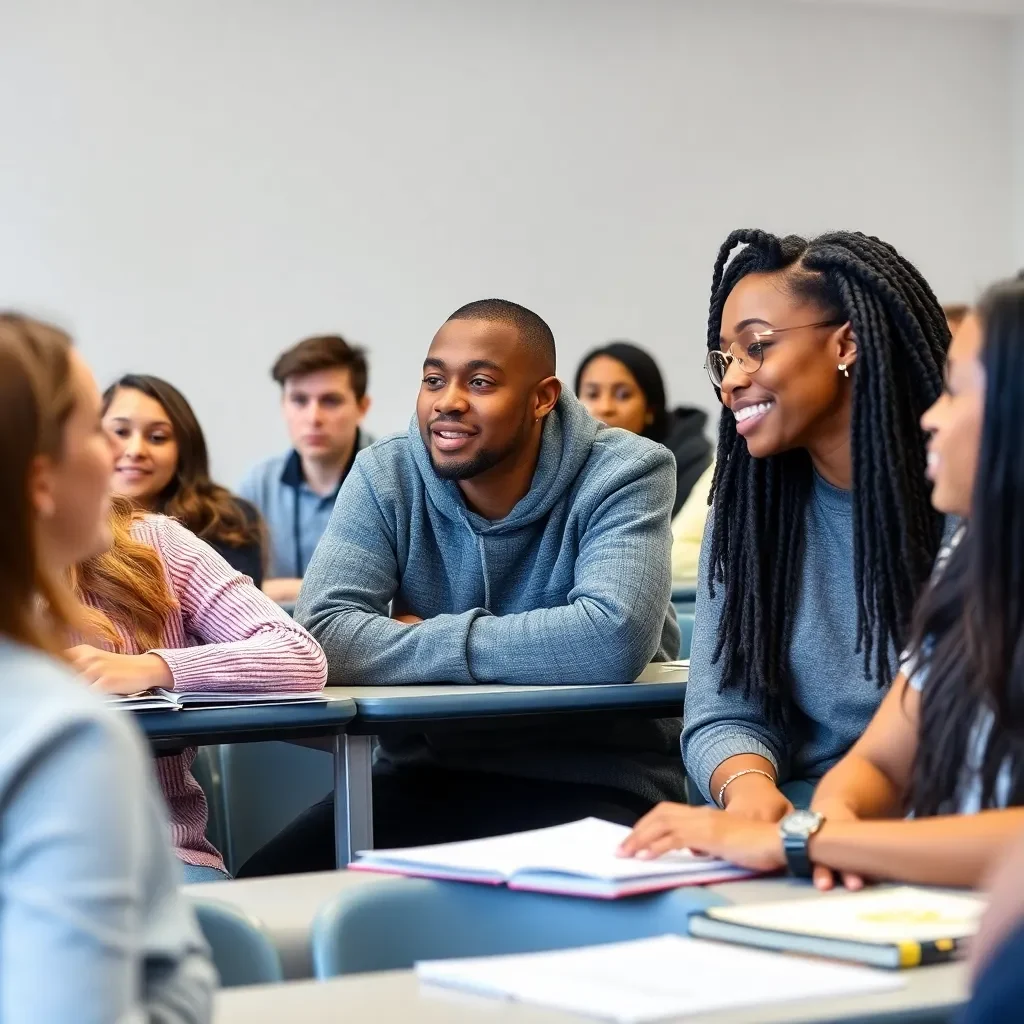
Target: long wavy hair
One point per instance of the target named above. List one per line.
(124, 590)
(36, 399)
(971, 622)
(205, 508)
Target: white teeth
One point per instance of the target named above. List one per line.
(933, 459)
(452, 435)
(749, 411)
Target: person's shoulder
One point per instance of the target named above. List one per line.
(614, 446)
(386, 460)
(265, 473)
(167, 536)
(45, 705)
(248, 509)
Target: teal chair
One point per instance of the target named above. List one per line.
(242, 953)
(397, 922)
(264, 787)
(685, 620)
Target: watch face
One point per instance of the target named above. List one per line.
(800, 823)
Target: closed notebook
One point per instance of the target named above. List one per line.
(578, 859)
(664, 978)
(897, 927)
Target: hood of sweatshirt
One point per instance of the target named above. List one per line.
(566, 444)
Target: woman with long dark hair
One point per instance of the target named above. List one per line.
(161, 463)
(825, 353)
(947, 743)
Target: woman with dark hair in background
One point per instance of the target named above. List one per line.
(161, 463)
(621, 385)
(947, 742)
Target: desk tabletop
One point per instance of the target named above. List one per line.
(931, 993)
(397, 997)
(659, 687)
(199, 726)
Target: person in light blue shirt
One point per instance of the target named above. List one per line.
(323, 396)
(93, 928)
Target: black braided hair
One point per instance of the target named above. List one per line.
(756, 538)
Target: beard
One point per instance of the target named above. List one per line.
(466, 469)
(482, 461)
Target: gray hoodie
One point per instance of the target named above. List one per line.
(573, 586)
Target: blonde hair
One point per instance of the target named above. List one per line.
(124, 589)
(36, 399)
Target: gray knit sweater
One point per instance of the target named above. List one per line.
(572, 586)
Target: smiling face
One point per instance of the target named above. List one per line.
(145, 448)
(478, 404)
(955, 423)
(612, 395)
(798, 396)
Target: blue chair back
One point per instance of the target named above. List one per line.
(397, 922)
(265, 787)
(685, 620)
(242, 953)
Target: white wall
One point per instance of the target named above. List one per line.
(193, 186)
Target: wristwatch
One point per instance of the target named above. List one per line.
(796, 830)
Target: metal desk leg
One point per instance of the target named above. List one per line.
(353, 796)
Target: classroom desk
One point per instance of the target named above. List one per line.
(657, 693)
(319, 724)
(931, 994)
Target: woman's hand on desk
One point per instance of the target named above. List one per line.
(751, 844)
(825, 878)
(757, 798)
(120, 673)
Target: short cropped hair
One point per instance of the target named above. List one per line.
(532, 330)
(323, 352)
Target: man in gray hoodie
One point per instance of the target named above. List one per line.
(507, 537)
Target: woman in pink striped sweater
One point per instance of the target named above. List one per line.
(167, 611)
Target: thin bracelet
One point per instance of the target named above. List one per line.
(736, 775)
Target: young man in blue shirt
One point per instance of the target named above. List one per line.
(323, 397)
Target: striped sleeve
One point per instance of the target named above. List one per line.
(245, 641)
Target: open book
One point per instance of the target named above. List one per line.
(654, 979)
(901, 927)
(171, 700)
(578, 859)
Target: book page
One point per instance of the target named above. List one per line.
(654, 979)
(884, 916)
(585, 848)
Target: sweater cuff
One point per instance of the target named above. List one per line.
(700, 767)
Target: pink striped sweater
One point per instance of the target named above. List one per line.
(225, 635)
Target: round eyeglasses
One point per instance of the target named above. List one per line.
(748, 350)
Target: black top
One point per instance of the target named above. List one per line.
(685, 439)
(247, 559)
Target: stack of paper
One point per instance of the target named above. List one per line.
(170, 700)
(654, 979)
(578, 859)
